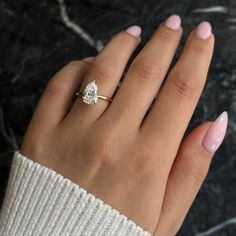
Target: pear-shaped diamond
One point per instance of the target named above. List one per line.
(90, 93)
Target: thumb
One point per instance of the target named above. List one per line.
(188, 173)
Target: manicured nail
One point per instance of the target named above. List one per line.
(134, 31)
(173, 22)
(203, 30)
(88, 59)
(216, 133)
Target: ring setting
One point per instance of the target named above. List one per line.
(90, 94)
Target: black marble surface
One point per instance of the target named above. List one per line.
(36, 40)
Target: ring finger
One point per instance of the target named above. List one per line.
(107, 69)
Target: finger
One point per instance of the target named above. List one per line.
(173, 109)
(146, 74)
(106, 70)
(188, 173)
(54, 103)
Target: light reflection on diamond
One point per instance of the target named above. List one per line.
(90, 93)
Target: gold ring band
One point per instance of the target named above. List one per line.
(99, 96)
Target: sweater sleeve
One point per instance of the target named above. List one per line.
(39, 201)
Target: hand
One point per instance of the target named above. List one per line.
(141, 167)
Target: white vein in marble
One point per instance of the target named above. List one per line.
(212, 9)
(218, 227)
(97, 44)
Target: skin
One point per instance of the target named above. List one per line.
(136, 162)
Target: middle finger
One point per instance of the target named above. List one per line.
(145, 75)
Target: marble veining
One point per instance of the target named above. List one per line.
(38, 38)
(218, 227)
(212, 9)
(77, 29)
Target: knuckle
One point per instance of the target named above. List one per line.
(75, 63)
(144, 167)
(103, 71)
(146, 161)
(69, 68)
(102, 150)
(55, 86)
(146, 68)
(166, 35)
(197, 169)
(184, 87)
(198, 47)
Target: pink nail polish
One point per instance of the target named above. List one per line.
(203, 30)
(88, 59)
(173, 22)
(134, 31)
(216, 133)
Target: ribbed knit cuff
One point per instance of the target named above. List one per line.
(39, 201)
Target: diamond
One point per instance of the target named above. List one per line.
(90, 93)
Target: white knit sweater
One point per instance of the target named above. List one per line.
(39, 201)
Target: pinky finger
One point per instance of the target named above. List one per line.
(54, 103)
(188, 173)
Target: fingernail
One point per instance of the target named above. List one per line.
(203, 30)
(216, 133)
(88, 59)
(134, 31)
(173, 22)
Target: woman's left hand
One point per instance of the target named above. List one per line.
(134, 161)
